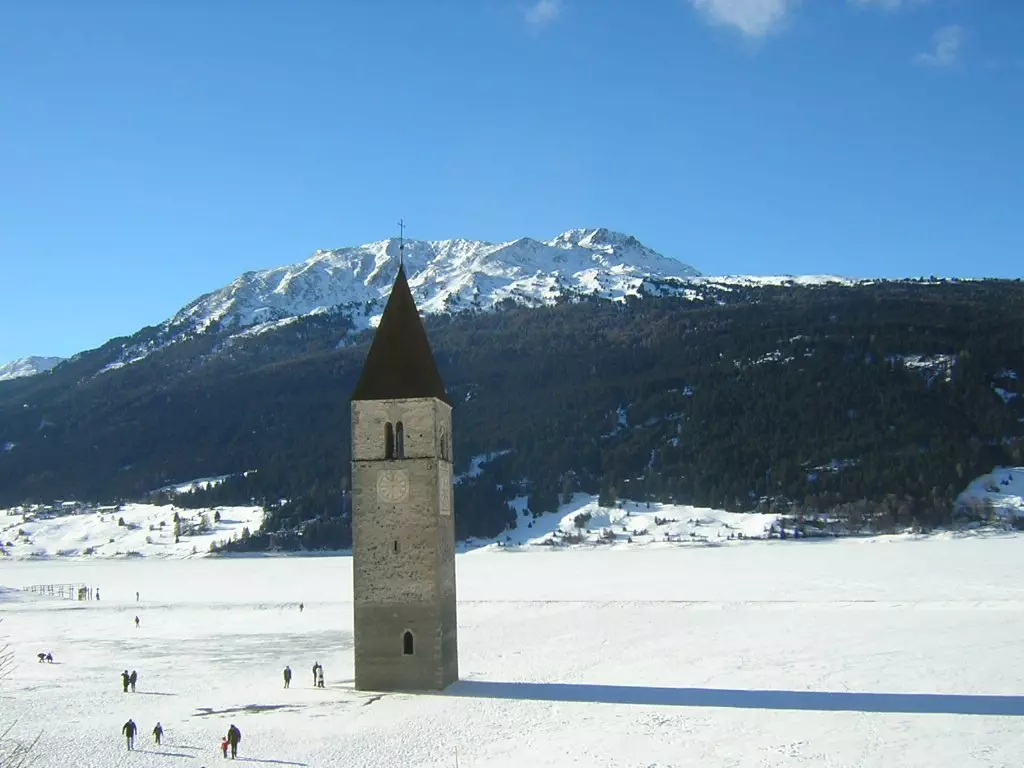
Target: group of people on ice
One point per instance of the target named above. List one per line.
(318, 676)
(230, 741)
(127, 680)
(129, 730)
(234, 735)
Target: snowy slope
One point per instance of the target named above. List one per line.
(148, 531)
(1002, 490)
(444, 275)
(27, 366)
(582, 523)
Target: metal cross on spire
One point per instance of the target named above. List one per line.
(401, 242)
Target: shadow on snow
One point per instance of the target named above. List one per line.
(163, 753)
(820, 701)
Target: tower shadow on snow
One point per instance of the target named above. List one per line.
(811, 701)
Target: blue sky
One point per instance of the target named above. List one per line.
(153, 151)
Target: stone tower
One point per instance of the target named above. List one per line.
(403, 535)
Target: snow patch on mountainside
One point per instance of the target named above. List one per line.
(582, 522)
(148, 530)
(27, 366)
(1001, 491)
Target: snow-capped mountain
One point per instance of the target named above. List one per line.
(445, 275)
(27, 366)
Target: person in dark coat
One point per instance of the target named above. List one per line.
(49, 658)
(133, 679)
(136, 622)
(316, 666)
(129, 730)
(320, 677)
(234, 736)
(287, 676)
(158, 733)
(125, 680)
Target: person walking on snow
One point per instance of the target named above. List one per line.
(133, 679)
(125, 680)
(234, 736)
(316, 666)
(320, 677)
(224, 747)
(129, 730)
(287, 676)
(136, 622)
(158, 733)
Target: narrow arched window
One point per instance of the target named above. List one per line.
(396, 546)
(389, 441)
(399, 441)
(407, 643)
(444, 443)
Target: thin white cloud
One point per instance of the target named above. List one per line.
(889, 5)
(543, 12)
(945, 52)
(754, 18)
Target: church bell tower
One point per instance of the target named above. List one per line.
(403, 534)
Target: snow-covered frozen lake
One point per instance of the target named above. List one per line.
(873, 652)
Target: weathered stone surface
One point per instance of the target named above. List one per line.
(403, 547)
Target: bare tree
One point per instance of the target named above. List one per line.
(14, 752)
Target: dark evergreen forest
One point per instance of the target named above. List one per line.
(874, 400)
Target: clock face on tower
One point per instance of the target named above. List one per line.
(392, 485)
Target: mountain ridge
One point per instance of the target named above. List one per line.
(27, 366)
(445, 276)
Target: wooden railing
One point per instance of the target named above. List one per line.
(62, 591)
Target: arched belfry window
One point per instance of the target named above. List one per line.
(389, 441)
(444, 444)
(407, 647)
(399, 441)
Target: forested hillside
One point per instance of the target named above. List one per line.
(876, 400)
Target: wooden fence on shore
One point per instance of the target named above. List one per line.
(62, 591)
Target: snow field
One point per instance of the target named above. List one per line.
(861, 653)
(148, 531)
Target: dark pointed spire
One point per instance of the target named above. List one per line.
(400, 364)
